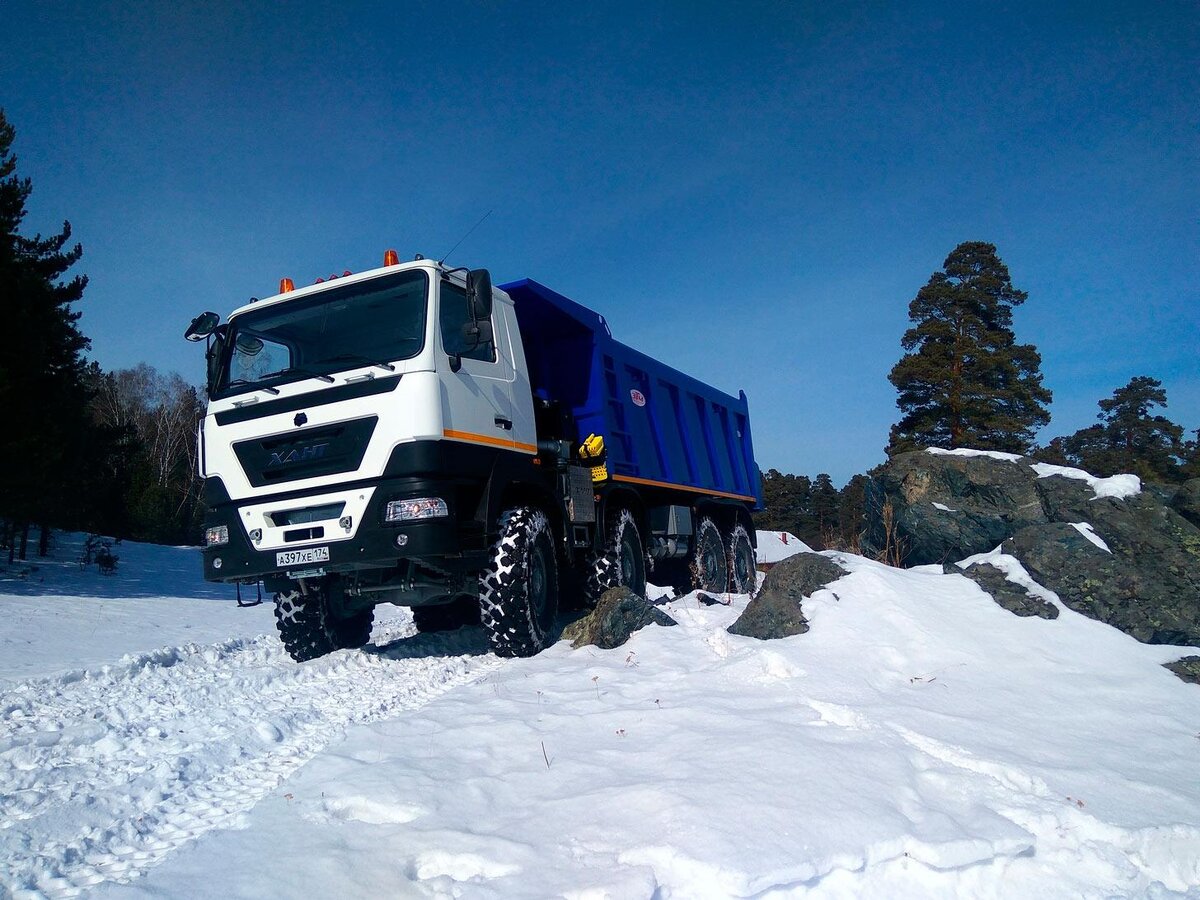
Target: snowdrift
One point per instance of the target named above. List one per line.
(919, 741)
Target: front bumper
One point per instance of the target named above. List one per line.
(374, 544)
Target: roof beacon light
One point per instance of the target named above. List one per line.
(286, 286)
(391, 258)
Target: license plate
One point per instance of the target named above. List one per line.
(302, 557)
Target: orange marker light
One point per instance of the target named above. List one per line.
(391, 258)
(286, 285)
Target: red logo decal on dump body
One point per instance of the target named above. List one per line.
(638, 398)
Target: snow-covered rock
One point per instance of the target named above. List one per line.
(617, 616)
(776, 610)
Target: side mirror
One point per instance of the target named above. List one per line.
(479, 293)
(202, 326)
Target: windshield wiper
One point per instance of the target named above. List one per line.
(295, 370)
(354, 357)
(265, 387)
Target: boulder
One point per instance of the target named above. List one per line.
(945, 508)
(1147, 583)
(616, 617)
(1008, 594)
(775, 611)
(1187, 668)
(1186, 501)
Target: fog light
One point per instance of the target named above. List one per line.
(347, 523)
(216, 536)
(401, 540)
(417, 508)
(256, 535)
(217, 563)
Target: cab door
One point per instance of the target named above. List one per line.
(477, 399)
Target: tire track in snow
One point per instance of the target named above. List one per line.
(104, 772)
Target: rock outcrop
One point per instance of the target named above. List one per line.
(616, 617)
(1147, 583)
(1128, 559)
(1186, 501)
(1187, 668)
(775, 611)
(945, 508)
(1008, 594)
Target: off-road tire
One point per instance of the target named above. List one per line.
(309, 629)
(743, 572)
(707, 563)
(623, 561)
(518, 592)
(446, 616)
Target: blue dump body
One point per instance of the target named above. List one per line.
(660, 427)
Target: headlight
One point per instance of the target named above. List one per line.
(216, 536)
(418, 508)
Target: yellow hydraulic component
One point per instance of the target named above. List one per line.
(592, 449)
(592, 446)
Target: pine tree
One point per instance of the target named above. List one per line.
(1129, 438)
(1148, 444)
(1191, 457)
(852, 511)
(786, 503)
(963, 380)
(825, 508)
(42, 394)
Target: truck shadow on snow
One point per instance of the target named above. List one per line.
(470, 640)
(466, 641)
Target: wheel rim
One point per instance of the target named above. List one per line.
(743, 564)
(629, 575)
(711, 569)
(712, 562)
(539, 586)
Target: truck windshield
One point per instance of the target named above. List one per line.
(374, 322)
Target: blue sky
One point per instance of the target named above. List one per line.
(752, 192)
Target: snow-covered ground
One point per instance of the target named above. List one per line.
(776, 546)
(919, 741)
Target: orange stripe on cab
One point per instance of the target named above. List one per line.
(471, 438)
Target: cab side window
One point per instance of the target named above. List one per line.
(454, 316)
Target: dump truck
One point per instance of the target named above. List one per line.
(413, 435)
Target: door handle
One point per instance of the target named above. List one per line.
(504, 423)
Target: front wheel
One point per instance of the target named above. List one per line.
(518, 592)
(308, 627)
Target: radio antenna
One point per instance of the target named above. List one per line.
(464, 237)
